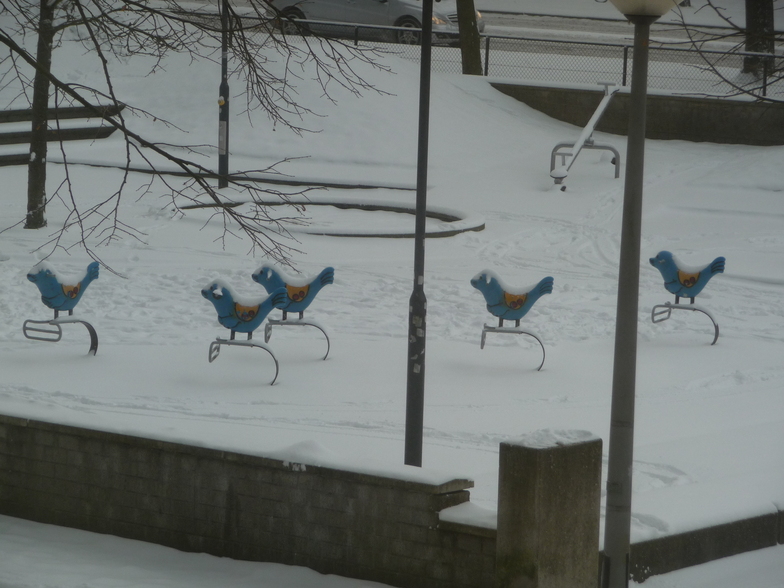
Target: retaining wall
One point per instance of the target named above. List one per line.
(240, 506)
(254, 508)
(675, 552)
(685, 118)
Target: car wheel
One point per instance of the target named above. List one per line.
(410, 36)
(287, 24)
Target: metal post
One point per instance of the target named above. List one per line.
(223, 101)
(415, 389)
(487, 56)
(625, 65)
(619, 476)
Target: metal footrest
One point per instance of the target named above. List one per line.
(293, 323)
(512, 331)
(662, 312)
(52, 332)
(42, 331)
(216, 345)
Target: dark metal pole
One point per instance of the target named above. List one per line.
(223, 101)
(487, 56)
(625, 65)
(417, 310)
(621, 450)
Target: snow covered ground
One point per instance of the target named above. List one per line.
(38, 556)
(709, 442)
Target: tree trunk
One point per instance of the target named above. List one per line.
(470, 42)
(36, 167)
(760, 35)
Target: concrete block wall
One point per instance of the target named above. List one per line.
(682, 550)
(356, 525)
(241, 506)
(685, 118)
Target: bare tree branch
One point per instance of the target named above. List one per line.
(116, 29)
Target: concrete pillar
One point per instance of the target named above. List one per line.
(549, 494)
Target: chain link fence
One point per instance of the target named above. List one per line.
(671, 69)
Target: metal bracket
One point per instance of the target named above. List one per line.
(300, 322)
(662, 312)
(216, 345)
(559, 173)
(512, 331)
(52, 332)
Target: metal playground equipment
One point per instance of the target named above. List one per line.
(584, 141)
(300, 292)
(61, 294)
(509, 304)
(685, 282)
(241, 316)
(245, 316)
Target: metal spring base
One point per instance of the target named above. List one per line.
(662, 312)
(216, 345)
(52, 332)
(512, 331)
(300, 322)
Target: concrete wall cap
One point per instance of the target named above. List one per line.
(548, 438)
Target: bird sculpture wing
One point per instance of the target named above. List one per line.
(688, 279)
(515, 301)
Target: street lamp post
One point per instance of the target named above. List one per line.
(615, 573)
(417, 310)
(223, 101)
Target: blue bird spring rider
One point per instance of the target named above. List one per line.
(60, 293)
(684, 282)
(241, 316)
(508, 303)
(300, 292)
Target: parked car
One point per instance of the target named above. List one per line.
(406, 14)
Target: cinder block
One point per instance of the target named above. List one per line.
(415, 534)
(469, 543)
(67, 442)
(54, 454)
(440, 571)
(41, 437)
(91, 446)
(35, 452)
(208, 497)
